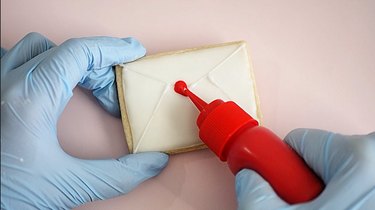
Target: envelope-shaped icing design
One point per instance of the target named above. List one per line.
(156, 118)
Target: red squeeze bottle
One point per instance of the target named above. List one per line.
(234, 136)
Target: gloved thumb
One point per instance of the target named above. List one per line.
(103, 179)
(253, 192)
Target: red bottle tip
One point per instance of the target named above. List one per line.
(181, 88)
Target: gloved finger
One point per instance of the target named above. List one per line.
(253, 192)
(72, 61)
(314, 146)
(3, 51)
(103, 86)
(102, 83)
(325, 152)
(341, 161)
(27, 48)
(102, 179)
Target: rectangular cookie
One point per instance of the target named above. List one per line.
(155, 118)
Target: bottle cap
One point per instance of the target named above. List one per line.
(218, 121)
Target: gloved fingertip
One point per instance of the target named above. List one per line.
(138, 50)
(40, 40)
(113, 110)
(107, 98)
(253, 192)
(296, 134)
(3, 52)
(243, 180)
(150, 163)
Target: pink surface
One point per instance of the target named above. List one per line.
(314, 66)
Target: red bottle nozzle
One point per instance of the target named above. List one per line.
(181, 88)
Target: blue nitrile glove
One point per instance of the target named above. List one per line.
(37, 79)
(345, 163)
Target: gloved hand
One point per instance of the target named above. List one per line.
(37, 79)
(346, 164)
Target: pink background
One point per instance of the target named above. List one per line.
(313, 60)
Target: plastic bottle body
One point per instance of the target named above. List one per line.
(259, 149)
(234, 136)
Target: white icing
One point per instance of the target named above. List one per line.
(163, 120)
